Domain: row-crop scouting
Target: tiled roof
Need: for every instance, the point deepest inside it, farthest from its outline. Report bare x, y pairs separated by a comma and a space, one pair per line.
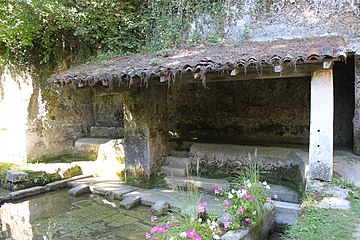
202, 59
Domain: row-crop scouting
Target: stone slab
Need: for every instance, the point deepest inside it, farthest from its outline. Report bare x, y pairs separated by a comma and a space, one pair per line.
283, 194
206, 184
115, 188
286, 213
334, 203
179, 153
25, 193
64, 183
160, 207
130, 202
173, 171
176, 199
107, 132
14, 175
180, 162
80, 189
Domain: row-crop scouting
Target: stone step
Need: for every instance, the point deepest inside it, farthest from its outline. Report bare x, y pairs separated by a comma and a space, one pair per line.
284, 194
206, 184
179, 162
173, 171
177, 153
286, 213
117, 132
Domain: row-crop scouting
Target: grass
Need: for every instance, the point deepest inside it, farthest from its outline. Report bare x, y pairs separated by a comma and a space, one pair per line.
327, 224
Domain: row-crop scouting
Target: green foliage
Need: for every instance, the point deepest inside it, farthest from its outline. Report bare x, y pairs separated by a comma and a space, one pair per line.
72, 172
323, 224
46, 32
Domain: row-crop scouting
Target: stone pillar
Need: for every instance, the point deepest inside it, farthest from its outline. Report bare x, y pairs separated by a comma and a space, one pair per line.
146, 128
356, 120
321, 125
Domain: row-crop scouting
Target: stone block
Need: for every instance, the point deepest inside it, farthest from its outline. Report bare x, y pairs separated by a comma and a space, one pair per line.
286, 213
14, 175
26, 193
107, 132
173, 171
130, 202
80, 189
160, 208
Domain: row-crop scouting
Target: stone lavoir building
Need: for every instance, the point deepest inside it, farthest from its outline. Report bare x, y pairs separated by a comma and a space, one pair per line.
281, 94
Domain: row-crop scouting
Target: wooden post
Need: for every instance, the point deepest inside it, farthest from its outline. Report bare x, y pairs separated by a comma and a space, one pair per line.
321, 125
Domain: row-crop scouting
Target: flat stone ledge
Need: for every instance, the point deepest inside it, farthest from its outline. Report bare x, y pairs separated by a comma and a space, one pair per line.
286, 213
130, 202
64, 183
78, 190
334, 203
25, 193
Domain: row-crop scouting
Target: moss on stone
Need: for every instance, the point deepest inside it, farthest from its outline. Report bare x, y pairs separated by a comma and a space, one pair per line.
72, 172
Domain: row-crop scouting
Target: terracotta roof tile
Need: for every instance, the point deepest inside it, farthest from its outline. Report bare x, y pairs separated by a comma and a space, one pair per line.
202, 58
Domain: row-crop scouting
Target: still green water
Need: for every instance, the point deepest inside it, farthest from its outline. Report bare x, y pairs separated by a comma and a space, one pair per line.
56, 215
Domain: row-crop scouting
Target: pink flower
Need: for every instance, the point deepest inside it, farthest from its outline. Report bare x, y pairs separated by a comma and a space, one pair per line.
241, 209
268, 200
252, 198
153, 229
226, 203
200, 209
167, 225
161, 229
197, 237
153, 218
247, 219
147, 235
203, 204
217, 190
190, 233
226, 224
245, 196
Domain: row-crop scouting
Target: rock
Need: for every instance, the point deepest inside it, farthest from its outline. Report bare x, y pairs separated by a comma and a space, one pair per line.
14, 175
130, 202
334, 203
160, 208
80, 189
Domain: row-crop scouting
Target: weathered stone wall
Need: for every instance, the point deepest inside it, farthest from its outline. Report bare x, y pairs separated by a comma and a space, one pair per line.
108, 110
267, 20
146, 129
36, 120
272, 111
56, 118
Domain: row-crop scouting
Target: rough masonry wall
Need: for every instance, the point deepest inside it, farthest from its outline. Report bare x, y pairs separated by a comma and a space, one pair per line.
108, 110
146, 129
267, 20
57, 118
356, 120
267, 111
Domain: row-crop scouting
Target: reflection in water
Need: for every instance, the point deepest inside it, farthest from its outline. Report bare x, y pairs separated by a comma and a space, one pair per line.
56, 215
15, 220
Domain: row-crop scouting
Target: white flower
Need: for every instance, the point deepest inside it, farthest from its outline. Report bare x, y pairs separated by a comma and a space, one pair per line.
233, 191
254, 212
230, 196
264, 183
216, 236
208, 221
183, 235
267, 187
200, 220
171, 238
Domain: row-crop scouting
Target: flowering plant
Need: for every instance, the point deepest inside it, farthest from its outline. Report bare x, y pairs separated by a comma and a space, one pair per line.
244, 205
198, 226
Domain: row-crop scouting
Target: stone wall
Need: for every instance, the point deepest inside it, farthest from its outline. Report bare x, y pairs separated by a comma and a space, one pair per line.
270, 111
57, 118
267, 20
37, 120
146, 129
108, 110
